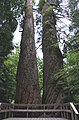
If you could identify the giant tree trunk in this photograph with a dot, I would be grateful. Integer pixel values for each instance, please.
(27, 88)
(53, 60)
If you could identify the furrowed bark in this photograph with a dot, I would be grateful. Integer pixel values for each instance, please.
(27, 88)
(52, 58)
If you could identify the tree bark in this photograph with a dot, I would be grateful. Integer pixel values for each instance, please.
(52, 58)
(27, 87)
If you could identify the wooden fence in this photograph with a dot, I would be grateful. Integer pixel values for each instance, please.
(67, 111)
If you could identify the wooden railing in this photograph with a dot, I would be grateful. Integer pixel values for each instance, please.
(74, 112)
(67, 110)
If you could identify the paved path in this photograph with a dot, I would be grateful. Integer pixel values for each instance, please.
(35, 119)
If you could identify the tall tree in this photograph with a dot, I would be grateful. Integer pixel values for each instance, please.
(52, 60)
(27, 88)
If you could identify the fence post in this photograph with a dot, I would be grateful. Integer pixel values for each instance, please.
(44, 111)
(76, 117)
(72, 114)
(27, 111)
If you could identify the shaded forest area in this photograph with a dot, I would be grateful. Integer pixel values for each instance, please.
(24, 78)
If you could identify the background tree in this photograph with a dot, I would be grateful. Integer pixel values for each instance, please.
(10, 12)
(8, 25)
(71, 66)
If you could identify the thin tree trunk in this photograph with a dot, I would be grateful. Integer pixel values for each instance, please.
(27, 88)
(53, 60)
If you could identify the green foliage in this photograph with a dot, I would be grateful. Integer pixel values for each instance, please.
(8, 76)
(74, 27)
(70, 75)
(40, 73)
(74, 12)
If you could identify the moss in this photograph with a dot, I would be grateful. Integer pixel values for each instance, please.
(55, 45)
(50, 8)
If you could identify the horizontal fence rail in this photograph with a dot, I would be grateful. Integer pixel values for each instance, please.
(67, 111)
